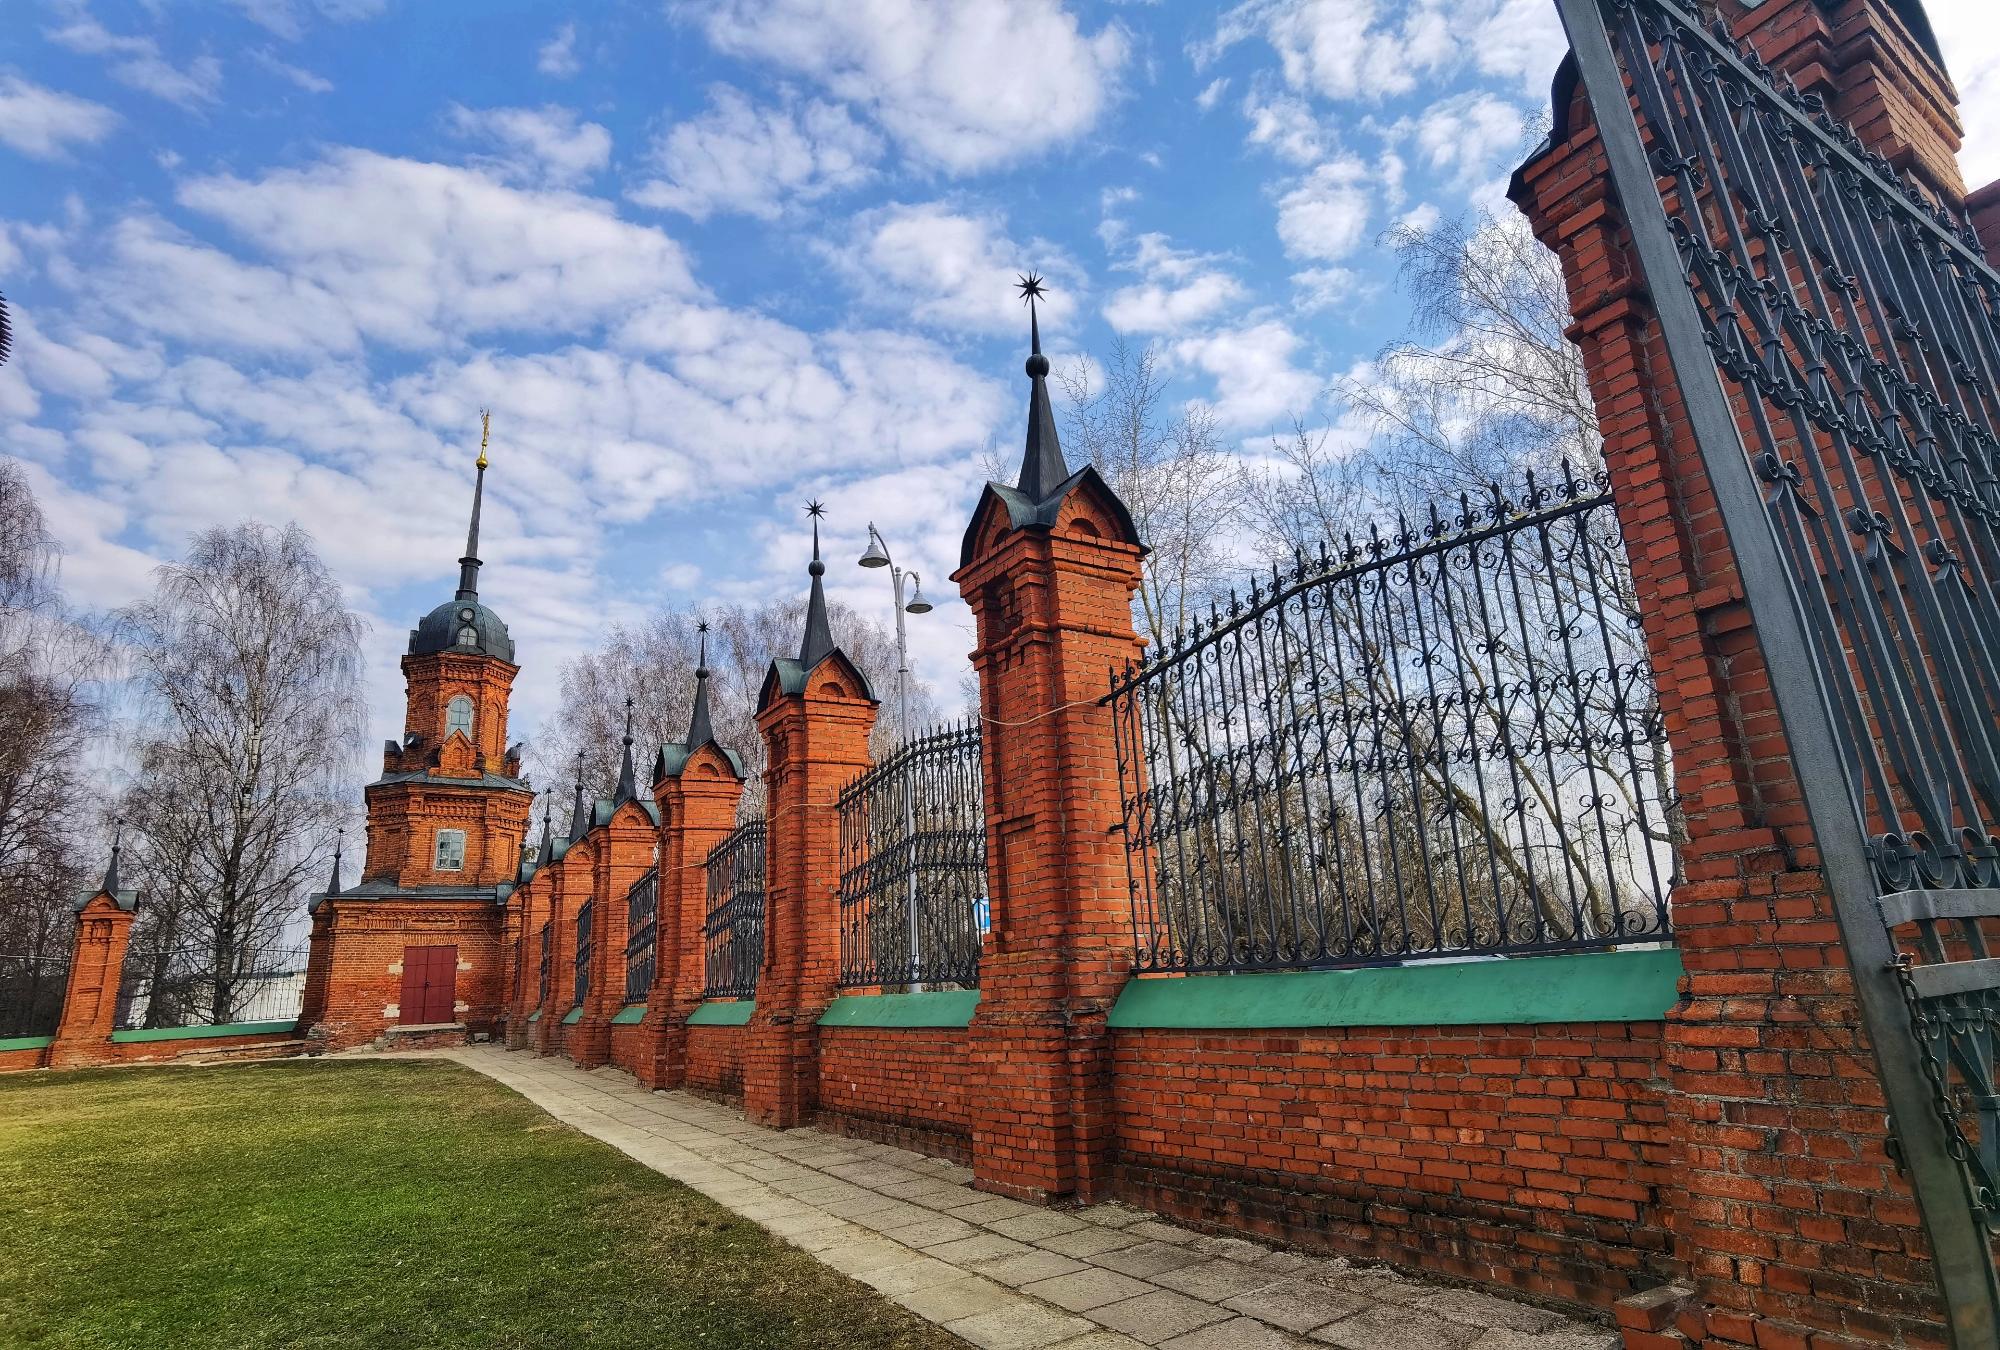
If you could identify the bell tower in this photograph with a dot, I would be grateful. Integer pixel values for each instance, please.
(450, 809)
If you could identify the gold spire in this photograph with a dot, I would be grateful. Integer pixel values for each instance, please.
(485, 427)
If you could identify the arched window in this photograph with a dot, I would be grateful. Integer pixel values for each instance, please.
(458, 716)
(450, 851)
(468, 636)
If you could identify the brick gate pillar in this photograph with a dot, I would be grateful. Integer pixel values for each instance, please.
(1049, 567)
(96, 965)
(697, 785)
(815, 715)
(1787, 1214)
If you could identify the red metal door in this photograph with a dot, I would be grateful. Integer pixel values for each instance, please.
(430, 977)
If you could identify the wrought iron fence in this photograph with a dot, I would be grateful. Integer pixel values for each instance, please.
(913, 864)
(545, 979)
(194, 987)
(585, 922)
(31, 994)
(642, 915)
(1443, 740)
(733, 932)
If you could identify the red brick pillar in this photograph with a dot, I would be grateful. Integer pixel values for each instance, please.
(532, 899)
(319, 967)
(97, 963)
(697, 797)
(567, 885)
(1788, 1216)
(815, 722)
(1053, 600)
(622, 850)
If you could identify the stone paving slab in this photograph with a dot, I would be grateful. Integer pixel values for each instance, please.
(1003, 1275)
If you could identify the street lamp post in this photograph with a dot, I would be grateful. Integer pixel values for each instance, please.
(878, 556)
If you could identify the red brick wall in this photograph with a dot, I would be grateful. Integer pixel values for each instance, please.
(902, 1086)
(715, 1061)
(13, 1061)
(626, 1044)
(364, 965)
(1527, 1157)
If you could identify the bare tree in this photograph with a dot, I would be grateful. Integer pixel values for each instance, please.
(654, 663)
(248, 663)
(48, 711)
(1185, 494)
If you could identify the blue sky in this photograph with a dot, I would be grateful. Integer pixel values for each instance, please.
(703, 262)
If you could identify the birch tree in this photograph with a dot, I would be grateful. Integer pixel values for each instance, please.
(248, 664)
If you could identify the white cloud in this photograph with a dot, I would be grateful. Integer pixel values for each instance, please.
(1286, 124)
(418, 254)
(44, 124)
(951, 268)
(304, 79)
(1178, 288)
(1211, 93)
(1366, 50)
(1325, 215)
(1470, 136)
(963, 86)
(136, 61)
(557, 56)
(287, 19)
(537, 145)
(1970, 40)
(1321, 288)
(739, 157)
(1256, 382)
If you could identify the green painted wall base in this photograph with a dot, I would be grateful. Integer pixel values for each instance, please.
(629, 1014)
(1627, 986)
(573, 1016)
(202, 1033)
(940, 1008)
(733, 1014)
(26, 1043)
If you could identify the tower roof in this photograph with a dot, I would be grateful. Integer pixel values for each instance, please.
(462, 623)
(817, 643)
(628, 785)
(1042, 466)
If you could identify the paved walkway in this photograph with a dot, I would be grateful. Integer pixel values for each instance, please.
(1009, 1276)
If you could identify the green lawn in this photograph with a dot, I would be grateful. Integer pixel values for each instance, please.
(396, 1204)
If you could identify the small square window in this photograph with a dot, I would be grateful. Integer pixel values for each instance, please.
(450, 850)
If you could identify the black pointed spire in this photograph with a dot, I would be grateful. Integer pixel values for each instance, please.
(1042, 466)
(818, 641)
(111, 871)
(333, 887)
(543, 854)
(628, 781)
(468, 566)
(700, 732)
(579, 809)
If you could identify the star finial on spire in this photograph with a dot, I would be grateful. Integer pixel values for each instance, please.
(819, 637)
(485, 430)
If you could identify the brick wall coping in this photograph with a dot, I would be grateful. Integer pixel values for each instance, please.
(938, 1008)
(573, 1016)
(723, 1013)
(535, 1016)
(629, 1014)
(1619, 986)
(203, 1033)
(26, 1042)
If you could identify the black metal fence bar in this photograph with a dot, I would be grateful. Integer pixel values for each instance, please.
(545, 982)
(913, 865)
(585, 915)
(193, 987)
(1444, 740)
(642, 910)
(31, 995)
(733, 931)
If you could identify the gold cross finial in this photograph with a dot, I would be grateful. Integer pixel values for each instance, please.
(485, 428)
